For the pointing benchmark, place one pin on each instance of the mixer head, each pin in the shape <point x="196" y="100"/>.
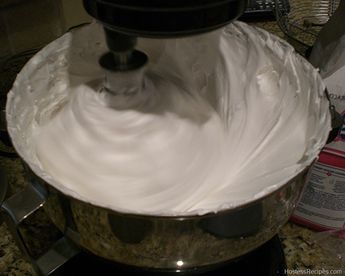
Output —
<point x="124" y="20"/>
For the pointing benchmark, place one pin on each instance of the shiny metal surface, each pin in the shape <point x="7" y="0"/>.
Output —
<point x="16" y="210"/>
<point x="171" y="243"/>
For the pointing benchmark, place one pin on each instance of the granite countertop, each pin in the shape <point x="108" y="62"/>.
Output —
<point x="304" y="249"/>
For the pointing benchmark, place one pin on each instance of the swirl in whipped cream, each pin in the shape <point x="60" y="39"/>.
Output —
<point x="204" y="134"/>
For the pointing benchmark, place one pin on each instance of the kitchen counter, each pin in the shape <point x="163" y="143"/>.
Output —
<point x="304" y="249"/>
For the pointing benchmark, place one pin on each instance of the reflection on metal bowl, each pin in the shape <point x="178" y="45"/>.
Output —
<point x="168" y="243"/>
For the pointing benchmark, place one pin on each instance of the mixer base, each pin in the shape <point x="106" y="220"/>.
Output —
<point x="268" y="260"/>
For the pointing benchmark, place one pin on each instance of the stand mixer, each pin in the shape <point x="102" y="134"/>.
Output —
<point x="188" y="242"/>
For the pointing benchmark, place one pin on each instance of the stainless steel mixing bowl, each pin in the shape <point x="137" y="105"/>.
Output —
<point x="154" y="242"/>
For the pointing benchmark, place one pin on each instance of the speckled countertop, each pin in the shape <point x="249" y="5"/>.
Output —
<point x="304" y="249"/>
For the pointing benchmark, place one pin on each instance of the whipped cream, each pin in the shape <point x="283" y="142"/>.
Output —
<point x="222" y="119"/>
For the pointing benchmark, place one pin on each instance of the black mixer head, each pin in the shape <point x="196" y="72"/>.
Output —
<point x="164" y="18"/>
<point x="156" y="18"/>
